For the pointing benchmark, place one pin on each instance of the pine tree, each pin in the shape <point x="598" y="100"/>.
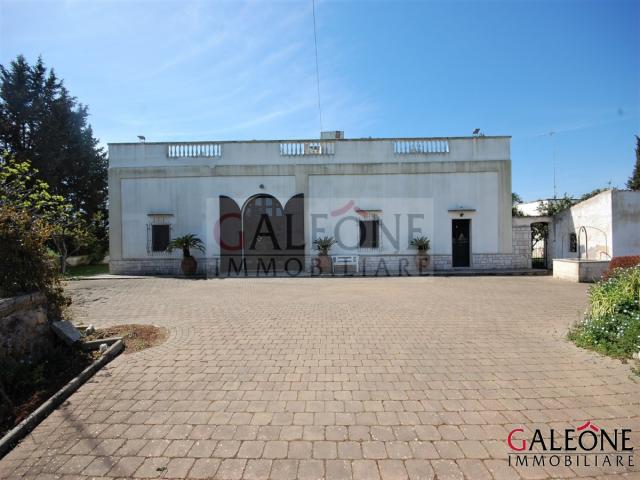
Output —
<point x="41" y="122"/>
<point x="634" y="181"/>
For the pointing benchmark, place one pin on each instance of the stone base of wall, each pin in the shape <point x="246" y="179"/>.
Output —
<point x="25" y="333"/>
<point x="496" y="261"/>
<point x="369" y="265"/>
<point x="150" y="266"/>
<point x="161" y="266"/>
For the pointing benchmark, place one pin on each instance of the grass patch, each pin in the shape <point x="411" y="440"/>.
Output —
<point x="28" y="385"/>
<point x="86" y="271"/>
<point x="612" y="323"/>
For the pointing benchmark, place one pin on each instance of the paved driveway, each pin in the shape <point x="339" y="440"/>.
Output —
<point x="330" y="378"/>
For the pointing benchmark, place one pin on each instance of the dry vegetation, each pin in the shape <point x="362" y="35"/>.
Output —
<point x="136" y="337"/>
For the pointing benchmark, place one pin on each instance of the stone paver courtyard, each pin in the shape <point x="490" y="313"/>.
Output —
<point x="330" y="378"/>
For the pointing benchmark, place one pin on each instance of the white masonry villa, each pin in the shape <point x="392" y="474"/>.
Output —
<point x="259" y="205"/>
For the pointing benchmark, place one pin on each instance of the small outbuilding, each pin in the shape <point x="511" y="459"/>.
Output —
<point x="587" y="235"/>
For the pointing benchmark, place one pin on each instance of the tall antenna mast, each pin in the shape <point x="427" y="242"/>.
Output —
<point x="553" y="150"/>
<point x="315" y="42"/>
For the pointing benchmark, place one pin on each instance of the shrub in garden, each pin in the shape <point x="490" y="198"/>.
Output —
<point x="26" y="264"/>
<point x="612" y="322"/>
<point x="69" y="230"/>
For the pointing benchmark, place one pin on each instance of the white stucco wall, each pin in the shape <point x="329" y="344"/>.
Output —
<point x="193" y="202"/>
<point x="611" y="220"/>
<point x="594" y="215"/>
<point x="626" y="223"/>
<point x="431" y="196"/>
<point x="194" y="205"/>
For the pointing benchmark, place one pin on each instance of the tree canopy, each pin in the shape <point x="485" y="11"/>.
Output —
<point x="634" y="180"/>
<point x="515" y="200"/>
<point x="68" y="230"/>
<point x="42" y="123"/>
<point x="556" y="205"/>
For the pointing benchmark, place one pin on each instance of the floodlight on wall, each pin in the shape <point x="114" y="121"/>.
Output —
<point x="142" y="138"/>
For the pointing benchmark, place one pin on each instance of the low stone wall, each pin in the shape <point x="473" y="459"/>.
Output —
<point x="25" y="333"/>
<point x="583" y="271"/>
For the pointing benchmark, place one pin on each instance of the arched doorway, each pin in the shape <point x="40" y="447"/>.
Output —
<point x="263" y="232"/>
<point x="261" y="237"/>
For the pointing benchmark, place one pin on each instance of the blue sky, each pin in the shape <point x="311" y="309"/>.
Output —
<point x="235" y="70"/>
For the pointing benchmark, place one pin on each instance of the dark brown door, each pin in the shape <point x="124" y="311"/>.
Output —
<point x="294" y="229"/>
<point x="461" y="242"/>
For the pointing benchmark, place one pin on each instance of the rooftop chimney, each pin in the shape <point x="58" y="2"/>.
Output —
<point x="332" y="135"/>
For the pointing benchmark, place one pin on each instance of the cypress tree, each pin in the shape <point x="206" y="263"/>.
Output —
<point x="634" y="180"/>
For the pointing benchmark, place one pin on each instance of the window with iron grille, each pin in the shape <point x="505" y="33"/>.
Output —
<point x="573" y="242"/>
<point x="160" y="236"/>
<point x="369" y="233"/>
<point x="159" y="228"/>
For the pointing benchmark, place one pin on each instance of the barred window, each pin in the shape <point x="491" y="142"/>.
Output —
<point x="369" y="233"/>
<point x="573" y="242"/>
<point x="160" y="236"/>
<point x="159" y="228"/>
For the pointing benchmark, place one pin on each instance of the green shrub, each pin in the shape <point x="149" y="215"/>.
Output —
<point x="26" y="264"/>
<point x="612" y="322"/>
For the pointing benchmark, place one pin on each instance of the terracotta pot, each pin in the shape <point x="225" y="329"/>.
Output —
<point x="188" y="265"/>
<point x="422" y="262"/>
<point x="324" y="263"/>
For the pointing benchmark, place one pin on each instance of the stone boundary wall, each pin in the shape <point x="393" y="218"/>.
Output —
<point x="520" y="257"/>
<point x="25" y="333"/>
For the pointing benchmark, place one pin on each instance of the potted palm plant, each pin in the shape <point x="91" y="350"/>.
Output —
<point x="422" y="245"/>
<point x="186" y="243"/>
<point x="323" y="245"/>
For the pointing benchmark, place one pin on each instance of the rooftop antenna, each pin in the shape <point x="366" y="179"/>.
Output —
<point x="315" y="42"/>
<point x="553" y="150"/>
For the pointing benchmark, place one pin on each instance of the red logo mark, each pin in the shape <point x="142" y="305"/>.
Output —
<point x="590" y="425"/>
<point x="344" y="209"/>
<point x="522" y="446"/>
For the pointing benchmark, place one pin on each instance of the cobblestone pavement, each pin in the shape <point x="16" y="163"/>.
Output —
<point x="331" y="378"/>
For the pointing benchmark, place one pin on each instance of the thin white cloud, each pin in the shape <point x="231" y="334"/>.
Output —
<point x="620" y="116"/>
<point x="188" y="68"/>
